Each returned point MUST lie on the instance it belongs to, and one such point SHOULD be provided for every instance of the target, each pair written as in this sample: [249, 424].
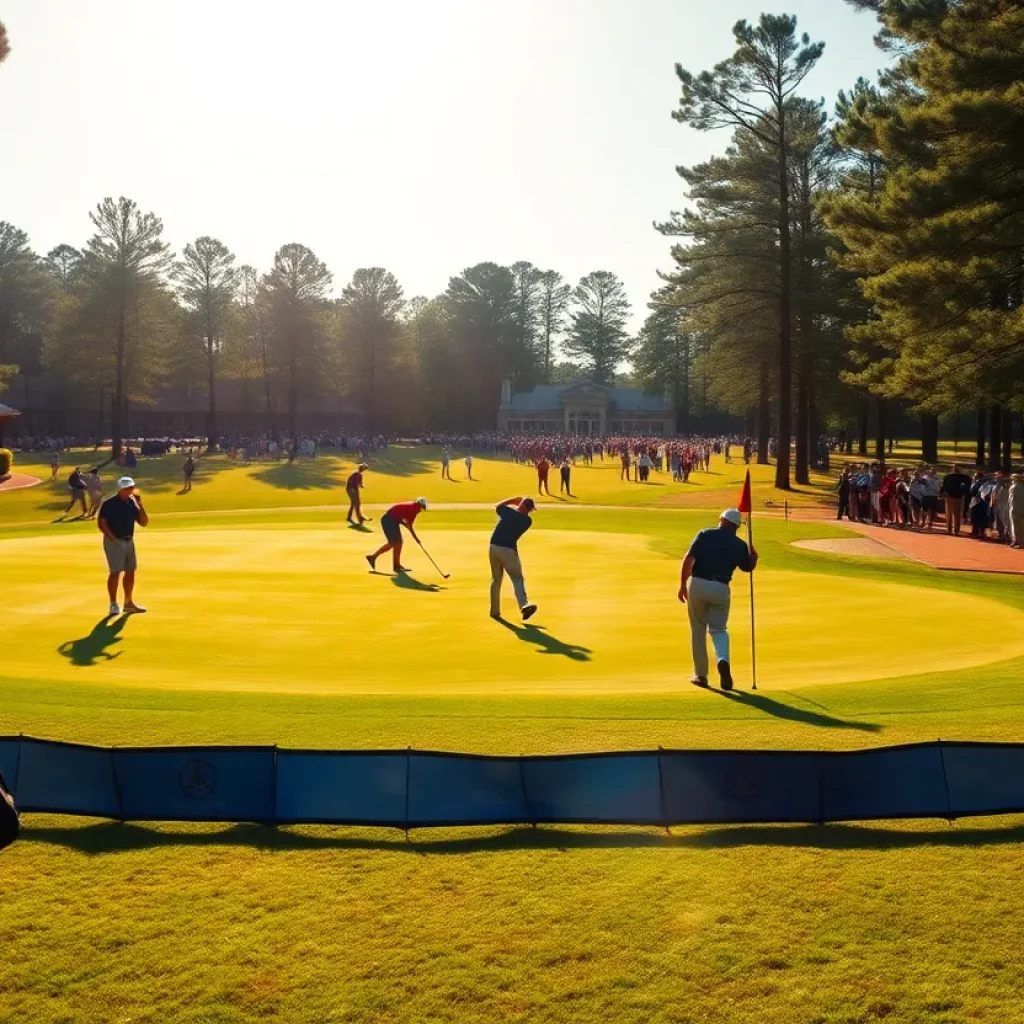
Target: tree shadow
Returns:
[415, 459]
[791, 714]
[92, 648]
[407, 582]
[301, 476]
[546, 643]
[114, 837]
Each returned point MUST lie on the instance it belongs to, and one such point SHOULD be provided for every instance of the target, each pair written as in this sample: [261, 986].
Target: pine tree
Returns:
[770, 61]
[941, 252]
[598, 340]
[555, 296]
[370, 311]
[296, 289]
[122, 293]
[664, 357]
[207, 279]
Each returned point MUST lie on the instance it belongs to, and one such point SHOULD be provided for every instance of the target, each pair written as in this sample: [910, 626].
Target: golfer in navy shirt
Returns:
[117, 519]
[513, 521]
[707, 572]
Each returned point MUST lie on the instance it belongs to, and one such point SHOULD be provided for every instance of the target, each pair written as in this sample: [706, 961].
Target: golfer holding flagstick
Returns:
[704, 582]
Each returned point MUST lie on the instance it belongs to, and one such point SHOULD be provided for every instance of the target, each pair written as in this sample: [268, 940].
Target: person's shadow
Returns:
[547, 644]
[92, 648]
[407, 582]
[791, 714]
[359, 528]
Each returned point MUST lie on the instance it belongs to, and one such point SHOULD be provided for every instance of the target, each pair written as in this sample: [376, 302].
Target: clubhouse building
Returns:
[584, 408]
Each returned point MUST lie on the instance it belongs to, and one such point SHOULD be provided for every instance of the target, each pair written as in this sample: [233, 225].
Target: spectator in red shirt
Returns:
[542, 475]
[402, 514]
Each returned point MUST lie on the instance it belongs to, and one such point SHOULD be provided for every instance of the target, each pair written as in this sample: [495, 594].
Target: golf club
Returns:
[444, 575]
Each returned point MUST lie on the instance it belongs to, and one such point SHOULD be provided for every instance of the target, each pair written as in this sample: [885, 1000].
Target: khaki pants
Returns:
[505, 560]
[954, 515]
[708, 604]
[1017, 526]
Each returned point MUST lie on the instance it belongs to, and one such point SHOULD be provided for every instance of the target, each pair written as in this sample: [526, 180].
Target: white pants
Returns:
[505, 560]
[708, 604]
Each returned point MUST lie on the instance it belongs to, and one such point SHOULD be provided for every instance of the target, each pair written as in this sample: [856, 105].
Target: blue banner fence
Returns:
[420, 789]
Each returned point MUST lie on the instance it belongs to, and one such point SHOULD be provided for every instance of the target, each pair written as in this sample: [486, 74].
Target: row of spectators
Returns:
[992, 504]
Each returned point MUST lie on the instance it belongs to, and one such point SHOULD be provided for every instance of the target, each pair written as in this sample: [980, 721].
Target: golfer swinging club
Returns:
[402, 514]
[707, 571]
[513, 521]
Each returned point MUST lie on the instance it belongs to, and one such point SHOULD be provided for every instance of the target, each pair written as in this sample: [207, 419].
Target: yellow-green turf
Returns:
[400, 473]
[298, 611]
[267, 627]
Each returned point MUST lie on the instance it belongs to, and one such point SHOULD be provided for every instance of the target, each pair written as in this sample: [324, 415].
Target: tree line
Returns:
[123, 316]
[833, 268]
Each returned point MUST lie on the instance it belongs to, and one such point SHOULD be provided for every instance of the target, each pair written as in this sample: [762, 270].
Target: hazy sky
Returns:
[419, 135]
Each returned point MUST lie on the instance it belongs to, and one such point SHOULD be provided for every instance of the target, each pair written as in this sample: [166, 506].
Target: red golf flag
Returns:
[744, 503]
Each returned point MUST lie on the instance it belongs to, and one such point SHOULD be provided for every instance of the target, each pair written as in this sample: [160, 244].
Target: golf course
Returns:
[265, 625]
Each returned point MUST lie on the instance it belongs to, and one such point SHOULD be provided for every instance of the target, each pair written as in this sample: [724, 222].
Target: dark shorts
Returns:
[392, 529]
[930, 504]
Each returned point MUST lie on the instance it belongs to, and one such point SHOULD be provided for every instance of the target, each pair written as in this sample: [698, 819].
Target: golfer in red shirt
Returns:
[402, 514]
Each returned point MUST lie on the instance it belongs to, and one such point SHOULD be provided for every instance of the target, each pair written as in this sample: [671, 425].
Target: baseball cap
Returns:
[124, 483]
[422, 502]
[362, 466]
[732, 515]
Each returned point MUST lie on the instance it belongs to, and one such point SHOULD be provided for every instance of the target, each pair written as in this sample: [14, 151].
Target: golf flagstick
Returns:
[746, 507]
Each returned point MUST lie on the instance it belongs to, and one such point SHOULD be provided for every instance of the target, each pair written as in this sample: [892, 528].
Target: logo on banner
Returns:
[198, 779]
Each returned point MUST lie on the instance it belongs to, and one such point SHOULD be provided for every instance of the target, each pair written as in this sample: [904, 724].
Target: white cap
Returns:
[422, 502]
[124, 483]
[732, 515]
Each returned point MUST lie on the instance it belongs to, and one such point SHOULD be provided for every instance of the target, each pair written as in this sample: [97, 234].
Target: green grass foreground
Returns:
[264, 628]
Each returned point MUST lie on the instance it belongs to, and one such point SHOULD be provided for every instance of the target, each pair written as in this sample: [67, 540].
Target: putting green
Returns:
[296, 610]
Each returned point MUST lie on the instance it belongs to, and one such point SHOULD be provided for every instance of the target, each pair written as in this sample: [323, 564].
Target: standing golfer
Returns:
[352, 487]
[513, 521]
[117, 519]
[707, 572]
[403, 514]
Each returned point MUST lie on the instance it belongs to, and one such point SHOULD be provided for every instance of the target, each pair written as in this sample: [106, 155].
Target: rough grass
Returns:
[913, 922]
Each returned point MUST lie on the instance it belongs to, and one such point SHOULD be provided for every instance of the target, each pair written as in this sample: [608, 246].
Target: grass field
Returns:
[265, 626]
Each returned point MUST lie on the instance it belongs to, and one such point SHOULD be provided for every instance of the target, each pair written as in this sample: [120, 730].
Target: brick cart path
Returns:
[940, 550]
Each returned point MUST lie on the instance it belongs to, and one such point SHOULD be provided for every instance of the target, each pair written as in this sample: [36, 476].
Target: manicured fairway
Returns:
[266, 626]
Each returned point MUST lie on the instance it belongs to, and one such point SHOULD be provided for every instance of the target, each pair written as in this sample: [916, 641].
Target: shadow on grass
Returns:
[777, 709]
[407, 460]
[114, 837]
[301, 476]
[546, 643]
[407, 582]
[92, 648]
